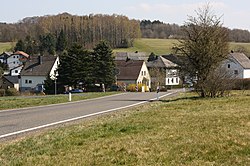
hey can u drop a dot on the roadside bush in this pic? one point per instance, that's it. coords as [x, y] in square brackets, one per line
[131, 88]
[2, 92]
[12, 92]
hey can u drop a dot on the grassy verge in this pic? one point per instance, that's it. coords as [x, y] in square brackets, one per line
[181, 131]
[21, 102]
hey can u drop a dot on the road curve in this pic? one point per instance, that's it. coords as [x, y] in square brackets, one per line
[18, 121]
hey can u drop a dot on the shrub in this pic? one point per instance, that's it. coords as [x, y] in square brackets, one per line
[2, 92]
[242, 84]
[12, 92]
[131, 87]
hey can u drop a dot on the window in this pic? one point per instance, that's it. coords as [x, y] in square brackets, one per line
[14, 57]
[14, 62]
[236, 72]
[142, 73]
[228, 65]
[16, 71]
[30, 81]
[26, 81]
[177, 80]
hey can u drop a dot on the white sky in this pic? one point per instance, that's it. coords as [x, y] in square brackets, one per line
[235, 13]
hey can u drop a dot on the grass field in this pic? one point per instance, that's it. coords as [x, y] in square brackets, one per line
[164, 46]
[158, 46]
[6, 46]
[21, 102]
[185, 130]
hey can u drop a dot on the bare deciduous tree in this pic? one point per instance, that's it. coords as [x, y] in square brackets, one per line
[205, 46]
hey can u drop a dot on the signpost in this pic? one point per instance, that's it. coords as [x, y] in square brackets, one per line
[70, 93]
[157, 92]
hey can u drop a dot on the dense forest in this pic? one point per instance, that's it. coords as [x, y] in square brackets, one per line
[118, 30]
[88, 30]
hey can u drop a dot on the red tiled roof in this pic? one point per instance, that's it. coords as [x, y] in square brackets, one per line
[21, 53]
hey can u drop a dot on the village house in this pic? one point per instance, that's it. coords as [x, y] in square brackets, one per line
[238, 65]
[168, 69]
[17, 59]
[36, 71]
[4, 56]
[10, 82]
[133, 72]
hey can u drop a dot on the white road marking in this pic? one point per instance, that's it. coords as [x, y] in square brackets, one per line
[76, 118]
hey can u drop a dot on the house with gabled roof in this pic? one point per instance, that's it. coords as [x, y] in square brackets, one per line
[131, 56]
[168, 68]
[4, 56]
[17, 59]
[238, 65]
[133, 72]
[36, 70]
[10, 82]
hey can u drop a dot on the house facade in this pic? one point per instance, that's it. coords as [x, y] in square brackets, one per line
[10, 82]
[36, 71]
[4, 56]
[17, 59]
[133, 72]
[168, 69]
[16, 71]
[238, 65]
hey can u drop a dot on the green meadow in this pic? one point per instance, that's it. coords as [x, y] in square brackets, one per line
[164, 46]
[6, 46]
[158, 46]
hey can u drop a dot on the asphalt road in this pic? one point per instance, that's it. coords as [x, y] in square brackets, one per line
[19, 121]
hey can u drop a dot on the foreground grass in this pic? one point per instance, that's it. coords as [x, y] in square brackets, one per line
[182, 131]
[21, 102]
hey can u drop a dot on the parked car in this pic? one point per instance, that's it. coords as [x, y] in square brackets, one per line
[74, 91]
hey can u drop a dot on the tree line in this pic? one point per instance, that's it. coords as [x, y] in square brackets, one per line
[118, 30]
[158, 29]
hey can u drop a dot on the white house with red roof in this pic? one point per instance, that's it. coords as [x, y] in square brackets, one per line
[17, 59]
[15, 62]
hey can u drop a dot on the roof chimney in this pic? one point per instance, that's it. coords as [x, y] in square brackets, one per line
[40, 59]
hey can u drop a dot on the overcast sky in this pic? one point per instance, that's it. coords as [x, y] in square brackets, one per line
[235, 13]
